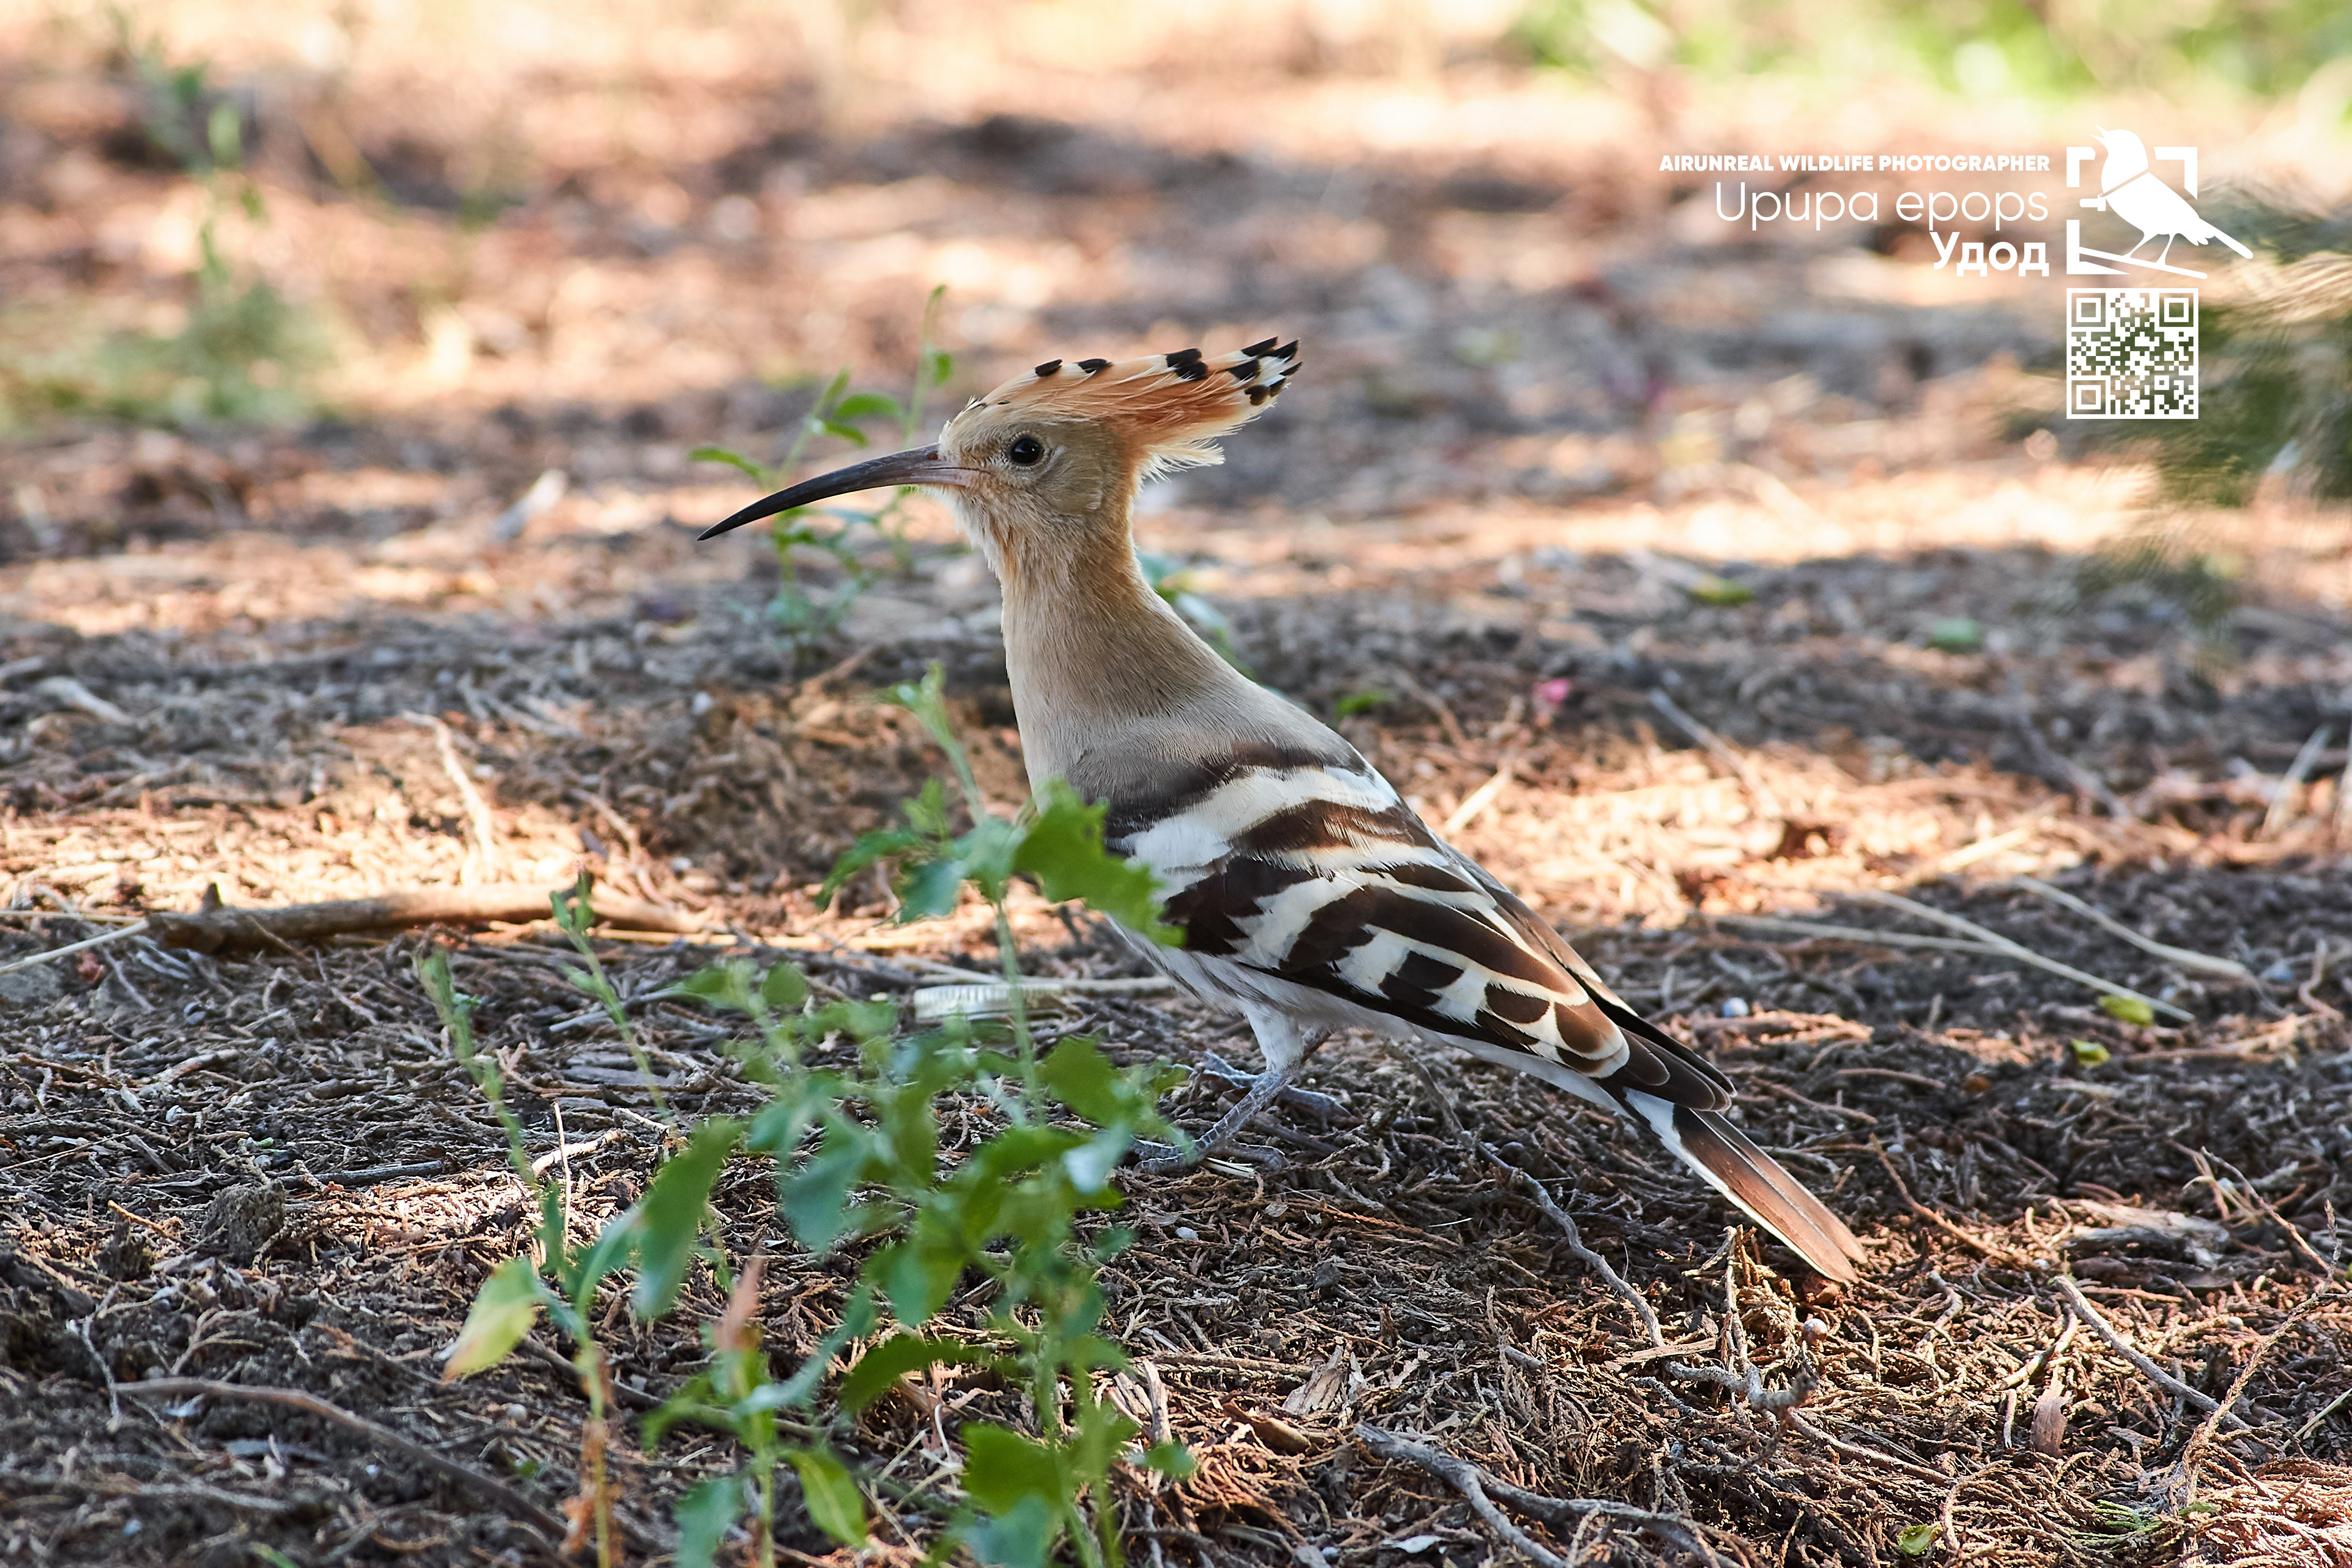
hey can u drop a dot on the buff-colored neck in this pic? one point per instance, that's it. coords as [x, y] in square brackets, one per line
[1099, 664]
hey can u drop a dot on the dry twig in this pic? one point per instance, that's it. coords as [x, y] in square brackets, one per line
[521, 1507]
[1997, 947]
[2097, 1322]
[2187, 958]
[215, 925]
[1760, 793]
[1479, 1488]
[1591, 1259]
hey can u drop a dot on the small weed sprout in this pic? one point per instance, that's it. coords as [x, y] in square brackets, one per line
[244, 350]
[857, 1151]
[1175, 586]
[563, 1282]
[842, 414]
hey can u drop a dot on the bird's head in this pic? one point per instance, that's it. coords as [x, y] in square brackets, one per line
[1058, 449]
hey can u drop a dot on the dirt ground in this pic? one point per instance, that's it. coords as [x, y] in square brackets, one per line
[1542, 424]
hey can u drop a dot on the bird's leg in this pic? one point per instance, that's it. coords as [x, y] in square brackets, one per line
[2127, 255]
[2168, 249]
[1306, 1099]
[1279, 1041]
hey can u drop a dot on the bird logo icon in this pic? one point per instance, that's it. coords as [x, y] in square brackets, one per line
[2132, 190]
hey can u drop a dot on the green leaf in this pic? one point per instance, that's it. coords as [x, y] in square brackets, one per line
[1954, 633]
[895, 1357]
[932, 890]
[1002, 1467]
[1919, 1540]
[1064, 850]
[1721, 592]
[1172, 1459]
[727, 985]
[918, 1275]
[784, 989]
[2129, 1009]
[618, 1239]
[669, 1225]
[834, 1500]
[849, 433]
[1354, 702]
[1079, 1076]
[867, 405]
[939, 366]
[885, 845]
[2090, 1053]
[815, 1197]
[704, 1515]
[758, 475]
[1090, 1164]
[1102, 1434]
[1022, 1537]
[503, 1311]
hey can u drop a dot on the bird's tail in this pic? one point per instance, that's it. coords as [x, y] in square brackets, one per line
[1755, 1183]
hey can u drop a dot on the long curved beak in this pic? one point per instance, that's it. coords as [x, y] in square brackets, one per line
[920, 466]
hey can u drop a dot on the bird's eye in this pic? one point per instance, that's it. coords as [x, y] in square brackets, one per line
[1026, 452]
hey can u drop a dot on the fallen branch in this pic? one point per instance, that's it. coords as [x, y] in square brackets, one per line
[2097, 1322]
[1989, 944]
[1856, 1451]
[521, 1507]
[1479, 1488]
[2010, 945]
[215, 926]
[117, 934]
[2002, 1255]
[1591, 1259]
[1759, 794]
[2187, 958]
[1482, 798]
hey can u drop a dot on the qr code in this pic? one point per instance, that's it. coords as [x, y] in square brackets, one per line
[2131, 354]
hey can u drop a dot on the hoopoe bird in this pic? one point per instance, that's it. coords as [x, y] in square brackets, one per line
[1309, 895]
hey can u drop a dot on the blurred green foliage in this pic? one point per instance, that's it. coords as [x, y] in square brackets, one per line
[1979, 47]
[243, 353]
[2274, 370]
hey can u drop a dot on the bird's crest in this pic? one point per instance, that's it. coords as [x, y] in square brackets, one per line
[1170, 407]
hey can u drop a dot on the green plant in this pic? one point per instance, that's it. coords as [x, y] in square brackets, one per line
[1007, 1210]
[243, 352]
[1174, 585]
[841, 413]
[1981, 49]
[1351, 703]
[563, 1282]
[2274, 366]
[857, 1154]
[2168, 566]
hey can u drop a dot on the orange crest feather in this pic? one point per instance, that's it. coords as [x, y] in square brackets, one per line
[1171, 407]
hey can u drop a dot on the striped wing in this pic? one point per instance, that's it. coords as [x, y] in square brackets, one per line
[1308, 868]
[1317, 873]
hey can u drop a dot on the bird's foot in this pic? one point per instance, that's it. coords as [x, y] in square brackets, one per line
[1306, 1099]
[1157, 1158]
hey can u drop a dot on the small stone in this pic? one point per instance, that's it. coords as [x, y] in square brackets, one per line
[1736, 1008]
[1186, 1232]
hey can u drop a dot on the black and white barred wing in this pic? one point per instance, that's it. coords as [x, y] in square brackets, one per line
[1320, 876]
[1317, 876]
